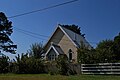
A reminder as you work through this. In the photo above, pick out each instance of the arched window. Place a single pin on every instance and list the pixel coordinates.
(70, 54)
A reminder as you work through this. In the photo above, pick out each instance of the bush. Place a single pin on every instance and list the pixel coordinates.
(62, 65)
(28, 65)
(4, 64)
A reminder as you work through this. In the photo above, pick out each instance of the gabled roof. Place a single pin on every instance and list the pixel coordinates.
(56, 48)
(74, 37)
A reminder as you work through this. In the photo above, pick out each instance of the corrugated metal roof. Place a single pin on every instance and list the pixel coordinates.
(76, 38)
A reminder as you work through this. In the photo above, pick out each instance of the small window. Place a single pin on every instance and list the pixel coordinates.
(70, 54)
(51, 57)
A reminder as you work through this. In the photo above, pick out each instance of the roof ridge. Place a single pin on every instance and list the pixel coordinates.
(68, 28)
(63, 29)
(54, 44)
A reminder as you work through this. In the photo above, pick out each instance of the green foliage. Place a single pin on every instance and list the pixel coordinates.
(4, 64)
(50, 68)
(28, 65)
(62, 65)
(116, 47)
(36, 50)
(6, 30)
(102, 54)
(107, 51)
(104, 50)
(82, 54)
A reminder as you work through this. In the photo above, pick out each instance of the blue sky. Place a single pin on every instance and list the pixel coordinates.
(98, 19)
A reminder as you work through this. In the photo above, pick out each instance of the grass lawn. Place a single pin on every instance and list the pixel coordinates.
(56, 77)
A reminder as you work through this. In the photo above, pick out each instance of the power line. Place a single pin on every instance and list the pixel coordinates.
(30, 32)
(43, 9)
(40, 38)
(30, 35)
(34, 35)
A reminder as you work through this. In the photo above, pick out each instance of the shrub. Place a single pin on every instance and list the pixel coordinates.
(62, 65)
(4, 64)
(28, 65)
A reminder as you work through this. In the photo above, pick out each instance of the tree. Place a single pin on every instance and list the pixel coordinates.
(82, 53)
(102, 53)
(105, 52)
(116, 47)
(36, 50)
(6, 44)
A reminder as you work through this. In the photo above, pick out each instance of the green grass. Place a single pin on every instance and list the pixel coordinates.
(56, 77)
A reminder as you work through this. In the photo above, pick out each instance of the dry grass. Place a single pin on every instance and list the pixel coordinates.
(55, 77)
